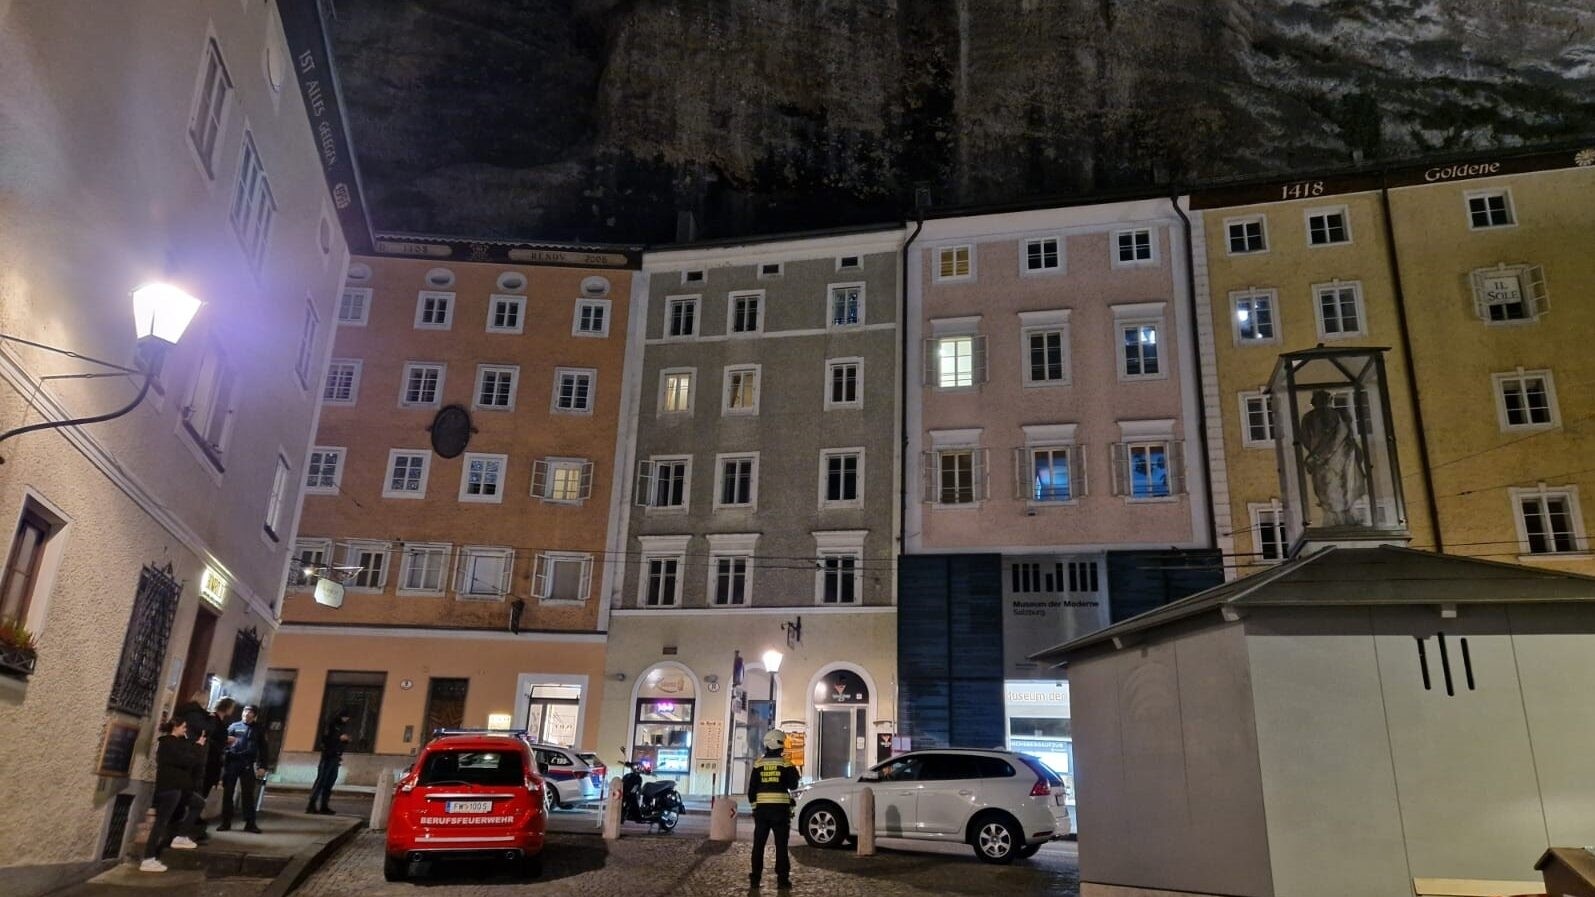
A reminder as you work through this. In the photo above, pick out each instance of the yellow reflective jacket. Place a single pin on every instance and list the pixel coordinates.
(771, 781)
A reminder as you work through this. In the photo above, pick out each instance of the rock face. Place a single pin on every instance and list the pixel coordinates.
(609, 119)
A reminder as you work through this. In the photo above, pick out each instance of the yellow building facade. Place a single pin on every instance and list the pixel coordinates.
(1453, 268)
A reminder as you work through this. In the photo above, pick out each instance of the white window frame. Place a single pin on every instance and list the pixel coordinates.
(404, 384)
(445, 296)
(660, 402)
(1256, 511)
(1247, 398)
(465, 478)
(1323, 212)
(720, 462)
(482, 372)
(1032, 323)
(305, 360)
(662, 548)
(592, 390)
(830, 305)
(696, 302)
(1251, 295)
(839, 544)
(1357, 302)
(296, 562)
(408, 555)
(1143, 314)
(545, 574)
(325, 451)
(1061, 267)
(1535, 298)
(254, 206)
(647, 483)
(605, 306)
(936, 264)
(825, 503)
(1118, 261)
(1239, 220)
(210, 408)
(1146, 434)
(737, 370)
(280, 498)
(1575, 511)
(1498, 384)
(364, 295)
(942, 329)
(462, 562)
(1503, 192)
(728, 547)
(1050, 438)
(494, 300)
(731, 313)
(351, 558)
(831, 366)
(200, 112)
(543, 479)
(387, 473)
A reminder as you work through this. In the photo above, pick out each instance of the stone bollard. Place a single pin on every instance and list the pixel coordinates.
(612, 807)
(866, 822)
(382, 801)
(723, 819)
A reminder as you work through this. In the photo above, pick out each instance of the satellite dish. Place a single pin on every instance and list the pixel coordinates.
(329, 593)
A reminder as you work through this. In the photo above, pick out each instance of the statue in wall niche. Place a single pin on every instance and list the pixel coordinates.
(1333, 459)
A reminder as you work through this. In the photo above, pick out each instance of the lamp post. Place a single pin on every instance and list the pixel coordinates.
(161, 312)
(772, 662)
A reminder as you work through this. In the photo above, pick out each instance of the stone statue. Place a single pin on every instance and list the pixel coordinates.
(1333, 459)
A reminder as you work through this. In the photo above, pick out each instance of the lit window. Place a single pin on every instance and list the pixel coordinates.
(742, 390)
(1145, 470)
(309, 562)
(952, 262)
(955, 362)
(675, 392)
(847, 305)
(1051, 477)
(1254, 317)
(567, 480)
(1139, 345)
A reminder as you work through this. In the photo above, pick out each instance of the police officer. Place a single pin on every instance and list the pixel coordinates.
(770, 787)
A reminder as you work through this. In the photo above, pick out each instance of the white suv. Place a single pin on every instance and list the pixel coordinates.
(1004, 805)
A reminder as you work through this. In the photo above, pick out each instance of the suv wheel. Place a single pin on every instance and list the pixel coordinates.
(823, 825)
(550, 797)
(996, 839)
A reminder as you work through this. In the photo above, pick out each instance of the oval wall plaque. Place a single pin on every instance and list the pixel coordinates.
(451, 431)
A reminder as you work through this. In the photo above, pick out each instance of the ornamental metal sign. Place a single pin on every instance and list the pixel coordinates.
(451, 431)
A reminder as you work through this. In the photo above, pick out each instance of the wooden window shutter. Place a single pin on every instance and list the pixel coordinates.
(979, 358)
(1121, 469)
(587, 480)
(540, 478)
(1177, 467)
(1534, 285)
(540, 578)
(1079, 481)
(645, 478)
(980, 473)
(1021, 480)
(586, 579)
(932, 474)
(931, 368)
(1480, 306)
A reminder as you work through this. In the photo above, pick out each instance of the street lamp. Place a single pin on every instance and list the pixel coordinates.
(161, 312)
(772, 662)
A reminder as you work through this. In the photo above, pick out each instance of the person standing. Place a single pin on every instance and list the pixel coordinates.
(332, 742)
(770, 786)
(215, 731)
(176, 761)
(242, 769)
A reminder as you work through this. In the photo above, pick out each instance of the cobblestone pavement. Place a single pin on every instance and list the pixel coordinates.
(653, 866)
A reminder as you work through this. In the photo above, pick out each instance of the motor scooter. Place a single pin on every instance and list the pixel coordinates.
(655, 803)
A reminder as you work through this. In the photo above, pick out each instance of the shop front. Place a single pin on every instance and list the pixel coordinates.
(1037, 722)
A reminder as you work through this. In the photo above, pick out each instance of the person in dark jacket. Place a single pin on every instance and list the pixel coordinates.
(770, 785)
(177, 763)
(242, 769)
(216, 723)
(332, 742)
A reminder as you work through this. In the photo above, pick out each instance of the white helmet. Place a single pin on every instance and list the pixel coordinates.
(774, 740)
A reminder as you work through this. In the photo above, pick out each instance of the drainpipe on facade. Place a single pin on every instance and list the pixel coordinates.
(1393, 256)
(1196, 354)
(902, 396)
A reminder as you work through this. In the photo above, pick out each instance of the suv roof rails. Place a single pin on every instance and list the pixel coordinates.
(468, 731)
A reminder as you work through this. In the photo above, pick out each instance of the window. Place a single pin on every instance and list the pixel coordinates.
(306, 359)
(423, 383)
(23, 564)
(343, 382)
(662, 482)
(482, 478)
(663, 582)
(1254, 317)
(362, 694)
(956, 361)
(730, 579)
(959, 476)
(1490, 208)
(954, 263)
(254, 209)
(506, 314)
(1525, 400)
(422, 568)
(324, 470)
(741, 390)
(1257, 419)
(1147, 470)
(495, 386)
(565, 480)
(277, 500)
(839, 555)
(681, 317)
(842, 478)
(675, 391)
(354, 307)
(697, 276)
(407, 474)
(1133, 247)
(739, 481)
(1050, 474)
(573, 391)
(769, 270)
(1047, 362)
(562, 576)
(744, 310)
(484, 572)
(1507, 294)
(434, 310)
(842, 383)
(1549, 520)
(845, 262)
(1042, 255)
(371, 562)
(592, 318)
(1246, 235)
(210, 106)
(1138, 350)
(1326, 227)
(847, 305)
(143, 657)
(1268, 533)
(1339, 310)
(440, 278)
(208, 416)
(309, 561)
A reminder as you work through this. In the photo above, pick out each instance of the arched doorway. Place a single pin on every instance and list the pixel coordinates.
(842, 698)
(664, 708)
